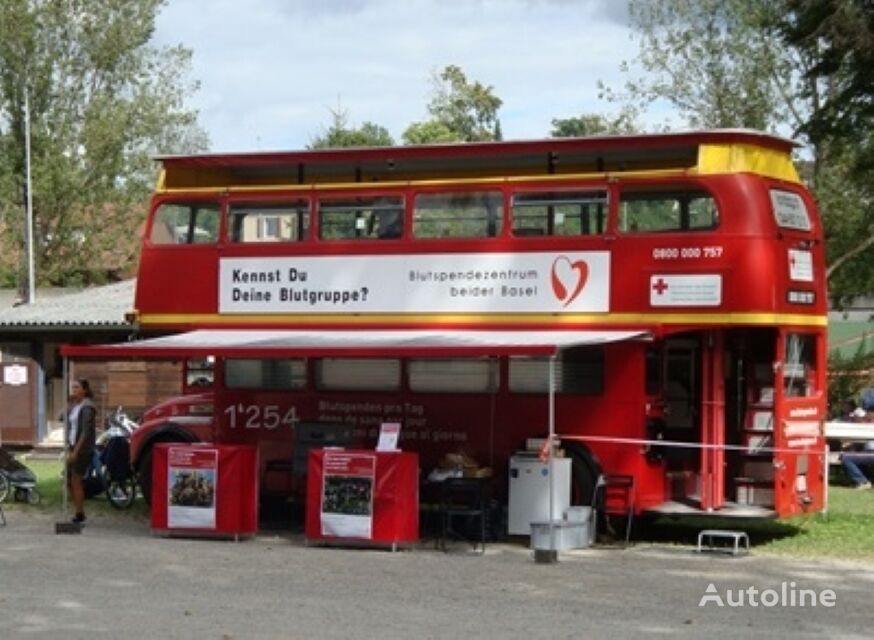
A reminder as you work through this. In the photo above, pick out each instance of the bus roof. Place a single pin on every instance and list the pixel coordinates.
(711, 151)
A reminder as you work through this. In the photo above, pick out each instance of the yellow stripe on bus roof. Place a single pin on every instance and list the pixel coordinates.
(746, 158)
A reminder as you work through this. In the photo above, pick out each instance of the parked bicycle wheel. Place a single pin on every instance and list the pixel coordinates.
(121, 493)
(4, 487)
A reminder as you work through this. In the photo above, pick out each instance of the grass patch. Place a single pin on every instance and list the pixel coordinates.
(846, 531)
(50, 487)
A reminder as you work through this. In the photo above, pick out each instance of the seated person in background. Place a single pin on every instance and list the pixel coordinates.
(852, 412)
(853, 461)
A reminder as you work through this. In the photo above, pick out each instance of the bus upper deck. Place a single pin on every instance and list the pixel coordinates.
(659, 231)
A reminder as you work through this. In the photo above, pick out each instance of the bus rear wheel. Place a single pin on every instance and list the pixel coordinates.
(585, 471)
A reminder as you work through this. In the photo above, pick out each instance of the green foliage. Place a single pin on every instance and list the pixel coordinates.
(102, 102)
(429, 132)
(730, 63)
(460, 111)
(838, 38)
(595, 124)
(712, 60)
(848, 376)
(340, 134)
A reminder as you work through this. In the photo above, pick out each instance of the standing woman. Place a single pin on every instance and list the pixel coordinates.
(82, 425)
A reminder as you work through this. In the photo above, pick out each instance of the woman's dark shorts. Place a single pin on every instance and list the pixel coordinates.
(80, 465)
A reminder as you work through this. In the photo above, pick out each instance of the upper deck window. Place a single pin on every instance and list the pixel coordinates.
(361, 218)
(653, 211)
(193, 223)
(790, 211)
(468, 214)
(559, 213)
(269, 222)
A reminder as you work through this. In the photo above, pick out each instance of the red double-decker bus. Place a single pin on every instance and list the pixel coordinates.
(656, 300)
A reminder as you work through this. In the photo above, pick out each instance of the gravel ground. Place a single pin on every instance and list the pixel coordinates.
(117, 579)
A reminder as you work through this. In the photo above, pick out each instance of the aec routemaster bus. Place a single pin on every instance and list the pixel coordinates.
(673, 284)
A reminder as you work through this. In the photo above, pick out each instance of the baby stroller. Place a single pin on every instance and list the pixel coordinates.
(14, 476)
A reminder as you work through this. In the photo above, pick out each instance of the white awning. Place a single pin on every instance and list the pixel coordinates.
(364, 342)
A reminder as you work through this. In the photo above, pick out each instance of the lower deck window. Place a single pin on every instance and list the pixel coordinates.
(358, 374)
(270, 374)
(799, 367)
(577, 371)
(449, 375)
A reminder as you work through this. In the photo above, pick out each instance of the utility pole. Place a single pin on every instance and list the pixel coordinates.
(31, 277)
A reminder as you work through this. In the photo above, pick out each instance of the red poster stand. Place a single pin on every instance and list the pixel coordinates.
(362, 496)
(205, 490)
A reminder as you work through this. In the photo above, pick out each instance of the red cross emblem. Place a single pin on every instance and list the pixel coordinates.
(660, 286)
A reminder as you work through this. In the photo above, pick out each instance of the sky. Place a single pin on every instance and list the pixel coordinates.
(272, 71)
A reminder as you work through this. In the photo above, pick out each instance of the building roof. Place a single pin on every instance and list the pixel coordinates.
(97, 307)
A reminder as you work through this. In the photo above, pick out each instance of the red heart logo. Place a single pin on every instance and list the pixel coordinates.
(568, 278)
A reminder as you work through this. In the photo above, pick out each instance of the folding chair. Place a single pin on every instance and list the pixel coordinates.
(614, 494)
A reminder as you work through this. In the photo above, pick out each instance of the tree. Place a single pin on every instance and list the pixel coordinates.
(837, 38)
(594, 124)
(460, 111)
(102, 103)
(713, 61)
(340, 134)
(727, 63)
(429, 132)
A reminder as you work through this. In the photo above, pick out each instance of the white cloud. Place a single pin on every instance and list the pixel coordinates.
(271, 70)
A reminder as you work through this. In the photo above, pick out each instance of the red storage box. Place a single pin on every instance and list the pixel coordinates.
(356, 496)
(205, 489)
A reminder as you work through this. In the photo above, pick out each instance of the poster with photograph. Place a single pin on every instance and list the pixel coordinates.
(191, 485)
(347, 494)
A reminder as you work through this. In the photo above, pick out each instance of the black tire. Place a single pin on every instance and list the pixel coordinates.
(144, 474)
(4, 488)
(584, 473)
(121, 493)
(33, 497)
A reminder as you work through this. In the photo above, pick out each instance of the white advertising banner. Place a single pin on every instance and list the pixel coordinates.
(541, 282)
(685, 290)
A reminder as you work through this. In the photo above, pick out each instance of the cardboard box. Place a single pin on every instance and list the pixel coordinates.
(760, 470)
(755, 494)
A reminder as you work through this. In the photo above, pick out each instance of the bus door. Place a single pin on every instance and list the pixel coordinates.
(682, 378)
(695, 415)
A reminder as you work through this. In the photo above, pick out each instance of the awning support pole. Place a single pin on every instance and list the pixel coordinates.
(65, 466)
(551, 467)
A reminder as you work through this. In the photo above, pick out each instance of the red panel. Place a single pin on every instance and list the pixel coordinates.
(395, 510)
(235, 496)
